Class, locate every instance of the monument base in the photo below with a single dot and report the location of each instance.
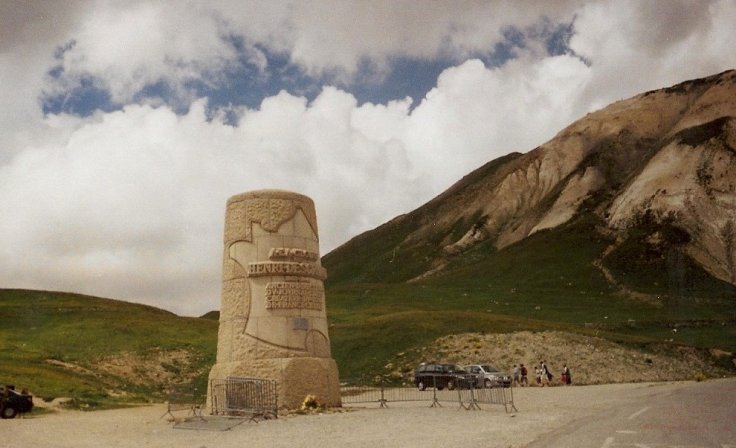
(295, 378)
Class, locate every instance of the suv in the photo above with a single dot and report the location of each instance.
(13, 403)
(438, 375)
(487, 375)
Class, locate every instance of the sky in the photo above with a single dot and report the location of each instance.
(126, 125)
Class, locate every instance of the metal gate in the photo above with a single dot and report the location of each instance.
(254, 397)
(465, 392)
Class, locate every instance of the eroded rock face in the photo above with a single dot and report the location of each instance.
(666, 152)
(576, 190)
(273, 322)
(696, 187)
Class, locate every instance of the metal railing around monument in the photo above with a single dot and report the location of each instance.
(183, 397)
(254, 397)
(464, 390)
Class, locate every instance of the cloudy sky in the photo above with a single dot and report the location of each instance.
(126, 125)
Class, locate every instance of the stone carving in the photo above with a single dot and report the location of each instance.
(269, 210)
(269, 268)
(290, 295)
(273, 321)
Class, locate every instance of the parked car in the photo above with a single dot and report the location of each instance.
(439, 376)
(487, 375)
(13, 403)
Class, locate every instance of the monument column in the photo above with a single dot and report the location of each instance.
(273, 322)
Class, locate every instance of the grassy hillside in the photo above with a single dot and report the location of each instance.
(468, 259)
(100, 351)
(388, 254)
(545, 282)
(61, 344)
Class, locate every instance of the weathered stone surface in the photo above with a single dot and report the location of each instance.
(273, 322)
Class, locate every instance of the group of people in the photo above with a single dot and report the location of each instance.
(544, 376)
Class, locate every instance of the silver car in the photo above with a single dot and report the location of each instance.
(487, 375)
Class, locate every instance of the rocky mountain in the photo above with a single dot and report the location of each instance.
(654, 176)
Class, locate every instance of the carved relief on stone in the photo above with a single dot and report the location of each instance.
(273, 321)
(318, 345)
(272, 248)
(270, 268)
(270, 211)
(231, 269)
(294, 295)
(235, 298)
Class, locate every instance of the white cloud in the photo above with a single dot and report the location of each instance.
(335, 35)
(129, 204)
(483, 114)
(127, 46)
(638, 46)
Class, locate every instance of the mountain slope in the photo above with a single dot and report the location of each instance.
(622, 225)
(664, 157)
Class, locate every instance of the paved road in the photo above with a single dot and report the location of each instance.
(696, 415)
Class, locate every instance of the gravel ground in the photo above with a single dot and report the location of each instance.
(540, 410)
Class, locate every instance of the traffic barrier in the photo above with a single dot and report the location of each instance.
(254, 397)
(434, 389)
(183, 397)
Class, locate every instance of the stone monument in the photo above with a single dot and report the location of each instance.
(273, 322)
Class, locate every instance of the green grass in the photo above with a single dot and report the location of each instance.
(39, 326)
(387, 254)
(548, 280)
(544, 282)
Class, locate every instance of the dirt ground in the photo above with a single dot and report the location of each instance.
(540, 411)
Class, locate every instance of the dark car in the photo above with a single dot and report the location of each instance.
(13, 403)
(438, 376)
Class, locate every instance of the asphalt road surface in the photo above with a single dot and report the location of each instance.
(696, 415)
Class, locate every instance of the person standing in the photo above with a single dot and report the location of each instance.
(566, 379)
(524, 372)
(546, 375)
(516, 372)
